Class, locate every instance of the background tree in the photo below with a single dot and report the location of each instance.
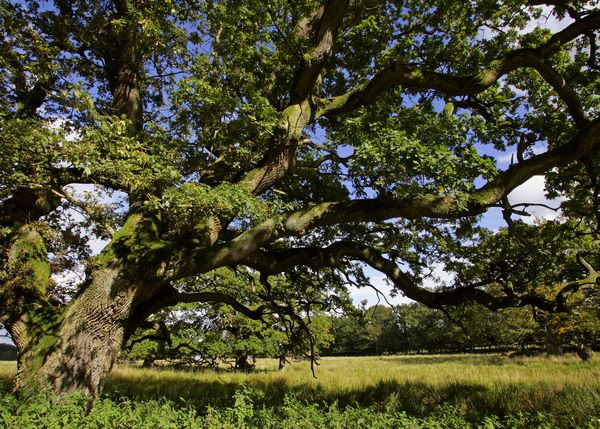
(303, 138)
(365, 331)
(216, 334)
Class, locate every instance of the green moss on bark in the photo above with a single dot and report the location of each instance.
(28, 261)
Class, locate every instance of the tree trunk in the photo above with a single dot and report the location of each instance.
(552, 343)
(75, 351)
(282, 361)
(584, 352)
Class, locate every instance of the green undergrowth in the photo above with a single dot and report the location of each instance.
(372, 392)
(244, 412)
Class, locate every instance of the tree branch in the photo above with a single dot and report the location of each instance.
(169, 296)
(186, 261)
(563, 89)
(162, 334)
(314, 61)
(334, 255)
(413, 76)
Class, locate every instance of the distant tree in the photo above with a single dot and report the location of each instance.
(383, 329)
(428, 330)
(481, 328)
(349, 335)
(213, 335)
(365, 331)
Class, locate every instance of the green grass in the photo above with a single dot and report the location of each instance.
(401, 391)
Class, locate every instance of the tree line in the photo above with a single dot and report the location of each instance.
(415, 328)
(226, 339)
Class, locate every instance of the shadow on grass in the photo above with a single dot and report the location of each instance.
(472, 401)
(569, 405)
(446, 359)
(6, 383)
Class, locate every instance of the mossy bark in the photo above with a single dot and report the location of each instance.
(73, 348)
(75, 351)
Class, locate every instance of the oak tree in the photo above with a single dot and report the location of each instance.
(301, 139)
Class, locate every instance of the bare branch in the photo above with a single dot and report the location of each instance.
(592, 273)
(316, 163)
(171, 296)
(526, 205)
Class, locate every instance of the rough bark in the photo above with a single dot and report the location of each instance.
(74, 348)
(75, 352)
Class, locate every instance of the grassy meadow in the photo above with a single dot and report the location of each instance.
(450, 391)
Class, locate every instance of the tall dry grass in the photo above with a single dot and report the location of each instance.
(475, 386)
(478, 385)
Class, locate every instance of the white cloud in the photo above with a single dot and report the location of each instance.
(532, 192)
(3, 338)
(378, 281)
(549, 21)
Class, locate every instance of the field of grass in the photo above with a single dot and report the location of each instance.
(392, 391)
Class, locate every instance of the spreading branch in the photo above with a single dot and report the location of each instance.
(414, 76)
(169, 297)
(337, 253)
(188, 260)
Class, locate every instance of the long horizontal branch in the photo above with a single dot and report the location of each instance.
(218, 297)
(335, 255)
(188, 261)
(413, 76)
(170, 296)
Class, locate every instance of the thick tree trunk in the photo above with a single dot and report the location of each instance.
(73, 349)
(584, 352)
(76, 352)
(282, 361)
